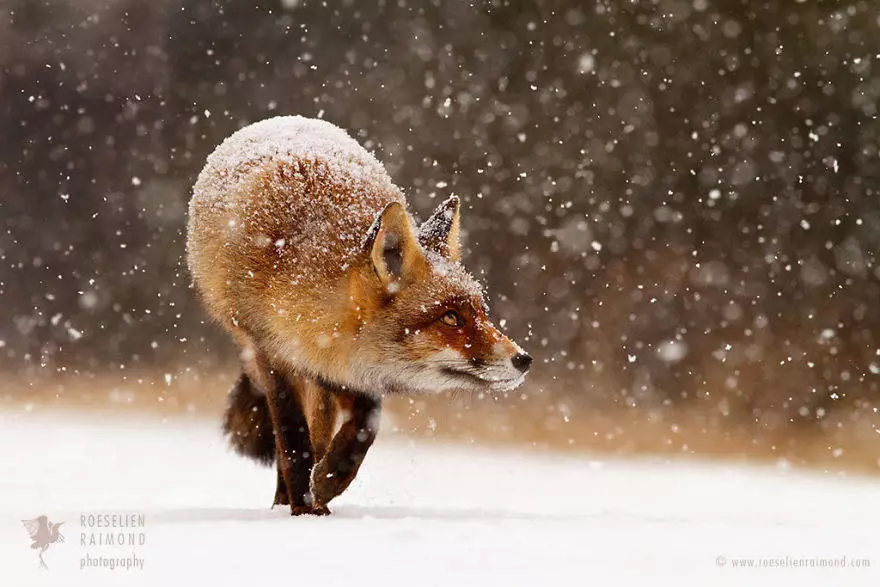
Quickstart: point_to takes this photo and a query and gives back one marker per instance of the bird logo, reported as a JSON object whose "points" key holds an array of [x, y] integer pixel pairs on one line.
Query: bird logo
{"points": [[43, 533]]}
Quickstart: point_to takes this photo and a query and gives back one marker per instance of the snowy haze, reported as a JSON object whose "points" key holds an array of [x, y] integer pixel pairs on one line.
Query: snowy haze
{"points": [[673, 204], [419, 514]]}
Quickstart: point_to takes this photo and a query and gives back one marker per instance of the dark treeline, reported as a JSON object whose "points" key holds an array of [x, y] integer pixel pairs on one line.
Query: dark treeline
{"points": [[674, 202]]}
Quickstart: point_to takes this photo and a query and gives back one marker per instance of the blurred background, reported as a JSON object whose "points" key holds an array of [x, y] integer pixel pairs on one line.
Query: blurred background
{"points": [[673, 203]]}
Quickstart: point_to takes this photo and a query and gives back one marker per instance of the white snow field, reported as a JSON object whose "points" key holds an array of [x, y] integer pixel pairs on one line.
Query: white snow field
{"points": [[418, 514]]}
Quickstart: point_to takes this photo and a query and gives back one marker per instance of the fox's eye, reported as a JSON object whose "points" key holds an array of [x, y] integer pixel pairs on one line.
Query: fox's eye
{"points": [[451, 318]]}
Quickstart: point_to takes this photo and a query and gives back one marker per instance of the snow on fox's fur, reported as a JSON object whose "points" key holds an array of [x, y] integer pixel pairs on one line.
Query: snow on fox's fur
{"points": [[301, 246]]}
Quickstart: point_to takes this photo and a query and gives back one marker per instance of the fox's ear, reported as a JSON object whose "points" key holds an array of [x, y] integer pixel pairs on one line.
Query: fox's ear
{"points": [[393, 248], [440, 232]]}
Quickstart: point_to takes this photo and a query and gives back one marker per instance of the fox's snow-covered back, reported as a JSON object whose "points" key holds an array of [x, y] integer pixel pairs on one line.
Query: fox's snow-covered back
{"points": [[278, 170]]}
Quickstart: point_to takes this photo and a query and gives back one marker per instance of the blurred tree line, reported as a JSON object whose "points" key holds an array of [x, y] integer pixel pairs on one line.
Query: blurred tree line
{"points": [[673, 202]]}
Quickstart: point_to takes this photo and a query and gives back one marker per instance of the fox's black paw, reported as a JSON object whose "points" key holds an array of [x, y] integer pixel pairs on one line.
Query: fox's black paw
{"points": [[326, 485], [320, 510], [313, 510]]}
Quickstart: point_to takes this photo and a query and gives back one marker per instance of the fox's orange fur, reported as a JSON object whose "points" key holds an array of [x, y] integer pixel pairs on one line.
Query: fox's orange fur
{"points": [[301, 247]]}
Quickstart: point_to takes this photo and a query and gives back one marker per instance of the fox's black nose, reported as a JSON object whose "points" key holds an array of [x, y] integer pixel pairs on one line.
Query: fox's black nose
{"points": [[522, 361]]}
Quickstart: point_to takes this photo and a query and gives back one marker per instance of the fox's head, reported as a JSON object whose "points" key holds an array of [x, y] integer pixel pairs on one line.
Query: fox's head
{"points": [[422, 320]]}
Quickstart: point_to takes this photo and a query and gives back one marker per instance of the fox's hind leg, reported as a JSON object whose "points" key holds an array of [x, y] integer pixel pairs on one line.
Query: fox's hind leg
{"points": [[293, 449], [348, 448], [281, 495], [320, 409]]}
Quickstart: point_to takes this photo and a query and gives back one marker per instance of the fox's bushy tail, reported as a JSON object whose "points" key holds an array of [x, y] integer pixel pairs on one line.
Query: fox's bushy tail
{"points": [[247, 422]]}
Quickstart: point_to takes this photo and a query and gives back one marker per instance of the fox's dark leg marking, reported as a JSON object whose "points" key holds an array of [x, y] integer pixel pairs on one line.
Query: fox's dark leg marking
{"points": [[281, 495], [348, 448], [293, 449]]}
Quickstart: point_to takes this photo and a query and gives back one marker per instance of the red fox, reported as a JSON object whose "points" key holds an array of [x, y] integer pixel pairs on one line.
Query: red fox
{"points": [[302, 248]]}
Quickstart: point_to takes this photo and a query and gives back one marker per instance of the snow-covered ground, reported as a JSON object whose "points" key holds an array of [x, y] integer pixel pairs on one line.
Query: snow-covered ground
{"points": [[418, 514]]}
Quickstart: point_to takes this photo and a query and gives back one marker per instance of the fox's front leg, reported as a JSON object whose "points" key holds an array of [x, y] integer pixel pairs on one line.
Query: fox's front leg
{"points": [[348, 448]]}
